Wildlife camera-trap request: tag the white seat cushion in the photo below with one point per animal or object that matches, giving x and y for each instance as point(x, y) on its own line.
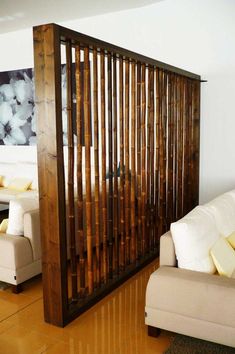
point(193, 237)
point(16, 252)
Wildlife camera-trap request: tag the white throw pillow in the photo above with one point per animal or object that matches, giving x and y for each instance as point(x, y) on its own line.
point(224, 257)
point(223, 210)
point(193, 237)
point(28, 170)
point(17, 208)
point(7, 171)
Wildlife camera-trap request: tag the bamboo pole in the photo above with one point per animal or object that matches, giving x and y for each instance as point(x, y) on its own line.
point(186, 149)
point(96, 158)
point(151, 152)
point(196, 140)
point(71, 210)
point(138, 116)
point(157, 153)
point(171, 103)
point(115, 167)
point(127, 162)
point(164, 126)
point(104, 193)
point(133, 160)
point(190, 147)
point(161, 155)
point(148, 207)
point(110, 156)
point(173, 147)
point(122, 207)
point(178, 172)
point(181, 150)
point(175, 143)
point(87, 126)
point(80, 232)
point(143, 156)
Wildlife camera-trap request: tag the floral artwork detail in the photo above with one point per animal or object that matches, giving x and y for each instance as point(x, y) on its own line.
point(17, 107)
point(17, 119)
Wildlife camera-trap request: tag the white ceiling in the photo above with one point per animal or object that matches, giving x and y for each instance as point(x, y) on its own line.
point(19, 14)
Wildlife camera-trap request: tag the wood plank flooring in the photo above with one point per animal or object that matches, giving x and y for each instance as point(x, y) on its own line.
point(113, 326)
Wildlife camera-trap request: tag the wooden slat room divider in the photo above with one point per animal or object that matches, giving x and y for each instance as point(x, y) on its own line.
point(118, 160)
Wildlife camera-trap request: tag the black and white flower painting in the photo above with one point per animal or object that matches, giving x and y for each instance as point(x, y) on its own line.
point(17, 119)
point(17, 108)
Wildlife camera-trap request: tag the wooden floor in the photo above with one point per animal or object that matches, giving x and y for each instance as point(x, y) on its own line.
point(113, 326)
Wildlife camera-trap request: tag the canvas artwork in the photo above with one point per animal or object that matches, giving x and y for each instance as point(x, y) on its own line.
point(17, 119)
point(17, 108)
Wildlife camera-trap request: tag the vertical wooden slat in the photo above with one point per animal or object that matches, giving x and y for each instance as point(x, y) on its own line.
point(196, 140)
point(87, 127)
point(186, 150)
point(122, 176)
point(164, 127)
point(174, 149)
point(115, 167)
point(180, 94)
point(127, 162)
point(133, 160)
point(47, 69)
point(161, 155)
point(138, 116)
point(103, 137)
point(110, 156)
point(97, 163)
point(148, 165)
point(143, 156)
point(71, 210)
point(190, 147)
point(80, 232)
point(157, 153)
point(169, 165)
point(151, 151)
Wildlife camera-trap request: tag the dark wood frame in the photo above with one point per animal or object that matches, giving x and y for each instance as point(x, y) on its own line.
point(159, 164)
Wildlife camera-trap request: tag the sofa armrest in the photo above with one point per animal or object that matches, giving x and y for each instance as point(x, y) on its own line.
point(197, 295)
point(167, 250)
point(32, 232)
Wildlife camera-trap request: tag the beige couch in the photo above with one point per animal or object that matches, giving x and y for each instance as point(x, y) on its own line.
point(20, 255)
point(191, 302)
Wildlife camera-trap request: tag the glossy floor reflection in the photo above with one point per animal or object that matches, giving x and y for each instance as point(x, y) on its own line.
point(113, 326)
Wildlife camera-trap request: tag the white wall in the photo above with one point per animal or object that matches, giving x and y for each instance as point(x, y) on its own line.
point(197, 35)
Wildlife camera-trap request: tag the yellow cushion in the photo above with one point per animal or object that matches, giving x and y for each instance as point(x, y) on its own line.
point(3, 225)
point(223, 256)
point(20, 184)
point(231, 239)
point(1, 180)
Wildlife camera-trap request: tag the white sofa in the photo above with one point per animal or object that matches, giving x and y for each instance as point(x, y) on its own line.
point(193, 302)
point(20, 255)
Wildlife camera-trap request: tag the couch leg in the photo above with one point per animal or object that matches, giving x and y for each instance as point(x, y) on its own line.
point(16, 289)
point(153, 331)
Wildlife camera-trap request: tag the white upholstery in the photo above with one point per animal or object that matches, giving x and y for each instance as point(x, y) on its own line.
point(223, 210)
point(20, 256)
point(17, 209)
point(16, 252)
point(193, 237)
point(7, 194)
point(191, 302)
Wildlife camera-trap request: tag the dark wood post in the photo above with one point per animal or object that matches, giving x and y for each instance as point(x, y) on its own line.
point(47, 66)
